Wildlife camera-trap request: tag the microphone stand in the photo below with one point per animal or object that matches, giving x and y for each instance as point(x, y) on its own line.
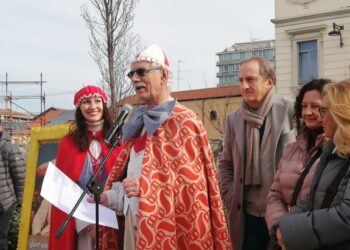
point(95, 187)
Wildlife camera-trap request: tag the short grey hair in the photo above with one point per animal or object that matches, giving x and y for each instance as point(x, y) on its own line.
point(170, 73)
point(266, 68)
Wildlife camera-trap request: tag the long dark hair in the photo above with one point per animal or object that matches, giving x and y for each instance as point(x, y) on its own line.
point(316, 84)
point(78, 130)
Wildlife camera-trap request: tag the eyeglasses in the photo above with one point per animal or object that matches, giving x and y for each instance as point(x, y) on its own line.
point(323, 111)
point(141, 71)
point(313, 107)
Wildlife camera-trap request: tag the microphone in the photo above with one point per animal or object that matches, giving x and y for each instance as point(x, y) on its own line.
point(116, 130)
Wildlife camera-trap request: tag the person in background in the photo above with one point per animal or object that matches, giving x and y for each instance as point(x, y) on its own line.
point(293, 178)
point(170, 197)
point(79, 156)
point(321, 221)
point(255, 136)
point(12, 174)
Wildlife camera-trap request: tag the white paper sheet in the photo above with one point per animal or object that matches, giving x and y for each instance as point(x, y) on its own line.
point(63, 193)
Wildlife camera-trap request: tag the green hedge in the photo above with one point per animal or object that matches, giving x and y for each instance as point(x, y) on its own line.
point(14, 228)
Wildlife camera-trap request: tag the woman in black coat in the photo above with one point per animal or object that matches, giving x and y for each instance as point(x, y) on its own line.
point(322, 221)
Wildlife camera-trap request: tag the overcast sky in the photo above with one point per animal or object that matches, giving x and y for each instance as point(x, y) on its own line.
point(50, 37)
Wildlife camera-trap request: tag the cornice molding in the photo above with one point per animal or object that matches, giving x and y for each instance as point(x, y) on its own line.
point(312, 16)
point(309, 29)
point(304, 3)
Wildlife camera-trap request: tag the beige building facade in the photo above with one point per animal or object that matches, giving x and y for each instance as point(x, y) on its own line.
point(213, 113)
point(305, 48)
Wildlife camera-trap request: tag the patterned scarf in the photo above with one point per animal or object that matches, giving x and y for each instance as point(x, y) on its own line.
point(254, 120)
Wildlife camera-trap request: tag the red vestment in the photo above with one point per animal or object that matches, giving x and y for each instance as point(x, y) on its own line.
point(180, 205)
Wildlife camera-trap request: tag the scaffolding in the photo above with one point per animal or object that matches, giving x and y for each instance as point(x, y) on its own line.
point(8, 98)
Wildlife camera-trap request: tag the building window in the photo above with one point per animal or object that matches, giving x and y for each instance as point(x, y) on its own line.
point(236, 56)
point(307, 61)
point(230, 68)
point(235, 79)
point(242, 56)
point(248, 54)
point(230, 78)
point(270, 52)
point(213, 115)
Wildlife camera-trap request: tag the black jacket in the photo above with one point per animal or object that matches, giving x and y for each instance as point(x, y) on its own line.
point(12, 173)
point(308, 226)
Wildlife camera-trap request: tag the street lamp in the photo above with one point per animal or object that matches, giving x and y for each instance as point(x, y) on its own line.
point(337, 32)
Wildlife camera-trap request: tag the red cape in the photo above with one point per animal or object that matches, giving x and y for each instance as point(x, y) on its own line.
point(180, 205)
point(70, 161)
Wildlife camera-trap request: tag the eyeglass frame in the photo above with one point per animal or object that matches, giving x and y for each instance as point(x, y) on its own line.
point(141, 71)
point(313, 106)
point(322, 111)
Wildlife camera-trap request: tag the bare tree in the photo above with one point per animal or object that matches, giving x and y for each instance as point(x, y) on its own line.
point(112, 42)
point(214, 113)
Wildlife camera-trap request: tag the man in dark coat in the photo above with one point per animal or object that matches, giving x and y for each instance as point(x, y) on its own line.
point(12, 173)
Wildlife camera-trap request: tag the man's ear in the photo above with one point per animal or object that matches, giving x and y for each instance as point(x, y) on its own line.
point(270, 83)
point(164, 76)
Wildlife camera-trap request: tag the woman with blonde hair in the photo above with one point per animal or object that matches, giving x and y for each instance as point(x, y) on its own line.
point(322, 221)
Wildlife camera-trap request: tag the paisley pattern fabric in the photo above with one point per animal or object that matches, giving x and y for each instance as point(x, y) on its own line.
point(180, 205)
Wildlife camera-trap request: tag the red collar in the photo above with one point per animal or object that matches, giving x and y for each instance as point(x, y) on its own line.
point(140, 142)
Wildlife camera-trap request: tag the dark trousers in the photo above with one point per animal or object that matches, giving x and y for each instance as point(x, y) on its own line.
point(5, 221)
point(256, 234)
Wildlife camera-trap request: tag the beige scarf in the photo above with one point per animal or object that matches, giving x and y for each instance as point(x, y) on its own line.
point(254, 120)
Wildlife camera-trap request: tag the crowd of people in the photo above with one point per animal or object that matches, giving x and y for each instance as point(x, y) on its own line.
point(281, 181)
